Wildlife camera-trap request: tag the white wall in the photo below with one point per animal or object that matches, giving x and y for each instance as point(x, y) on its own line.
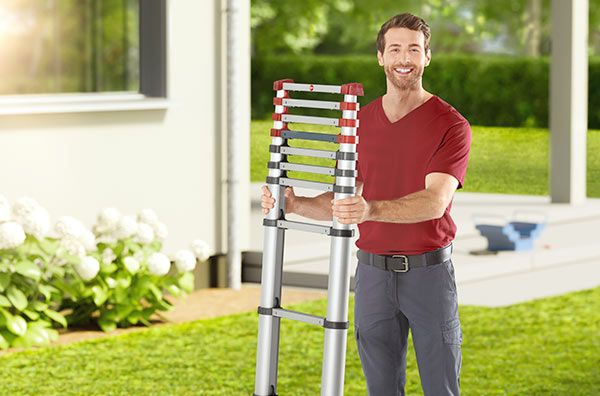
point(168, 160)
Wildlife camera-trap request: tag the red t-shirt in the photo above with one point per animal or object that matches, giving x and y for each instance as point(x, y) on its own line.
point(393, 160)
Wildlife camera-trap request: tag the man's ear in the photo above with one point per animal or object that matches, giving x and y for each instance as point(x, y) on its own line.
point(428, 57)
point(379, 58)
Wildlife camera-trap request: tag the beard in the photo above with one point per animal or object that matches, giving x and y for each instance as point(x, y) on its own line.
point(405, 83)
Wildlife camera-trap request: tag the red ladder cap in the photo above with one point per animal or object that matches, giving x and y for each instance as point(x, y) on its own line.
point(347, 139)
point(349, 106)
point(345, 122)
point(353, 89)
point(278, 85)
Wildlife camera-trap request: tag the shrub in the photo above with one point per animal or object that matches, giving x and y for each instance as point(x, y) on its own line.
point(487, 90)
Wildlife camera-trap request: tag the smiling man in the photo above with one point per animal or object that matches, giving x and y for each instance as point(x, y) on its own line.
point(413, 156)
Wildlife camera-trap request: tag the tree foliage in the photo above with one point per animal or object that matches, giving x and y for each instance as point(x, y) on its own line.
point(520, 27)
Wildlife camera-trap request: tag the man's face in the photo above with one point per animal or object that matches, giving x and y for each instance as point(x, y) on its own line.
point(404, 58)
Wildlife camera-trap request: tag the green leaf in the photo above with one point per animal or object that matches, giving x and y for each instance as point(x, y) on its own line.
point(28, 269)
point(4, 280)
point(100, 295)
point(17, 298)
point(186, 282)
point(57, 317)
point(16, 325)
point(31, 314)
point(174, 290)
point(109, 269)
point(4, 301)
point(3, 342)
point(37, 335)
point(155, 291)
point(38, 305)
point(123, 311)
point(46, 290)
point(134, 317)
point(106, 325)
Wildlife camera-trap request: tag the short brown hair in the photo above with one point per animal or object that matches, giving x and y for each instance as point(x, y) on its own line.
point(408, 21)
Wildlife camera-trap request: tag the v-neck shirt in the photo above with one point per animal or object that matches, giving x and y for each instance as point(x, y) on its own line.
point(393, 160)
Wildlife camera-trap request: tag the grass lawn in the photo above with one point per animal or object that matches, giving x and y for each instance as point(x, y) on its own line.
point(543, 347)
point(503, 160)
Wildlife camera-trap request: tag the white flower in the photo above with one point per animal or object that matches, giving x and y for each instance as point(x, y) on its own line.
point(32, 216)
point(108, 256)
point(161, 231)
point(69, 226)
point(185, 260)
point(88, 239)
point(107, 220)
point(148, 216)
point(111, 282)
point(131, 264)
point(126, 227)
point(4, 209)
point(87, 268)
point(158, 264)
point(11, 235)
point(145, 233)
point(200, 249)
point(139, 256)
point(106, 239)
point(71, 246)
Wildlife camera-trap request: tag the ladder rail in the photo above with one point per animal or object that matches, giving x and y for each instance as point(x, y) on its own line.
point(335, 323)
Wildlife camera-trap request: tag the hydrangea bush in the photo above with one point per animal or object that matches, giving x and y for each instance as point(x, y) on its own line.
point(27, 300)
point(114, 275)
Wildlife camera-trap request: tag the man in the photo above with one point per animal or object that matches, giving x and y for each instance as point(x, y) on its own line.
point(413, 156)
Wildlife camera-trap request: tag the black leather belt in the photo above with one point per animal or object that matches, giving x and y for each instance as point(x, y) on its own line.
point(402, 263)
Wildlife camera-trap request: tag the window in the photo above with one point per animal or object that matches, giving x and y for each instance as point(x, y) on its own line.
point(82, 46)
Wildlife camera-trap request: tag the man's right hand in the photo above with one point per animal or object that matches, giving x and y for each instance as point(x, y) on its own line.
point(268, 202)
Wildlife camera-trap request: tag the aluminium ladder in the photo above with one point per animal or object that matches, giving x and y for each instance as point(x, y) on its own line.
point(270, 311)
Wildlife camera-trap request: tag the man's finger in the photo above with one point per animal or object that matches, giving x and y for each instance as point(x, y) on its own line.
point(347, 201)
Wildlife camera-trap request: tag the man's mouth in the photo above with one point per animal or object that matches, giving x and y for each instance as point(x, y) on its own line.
point(403, 70)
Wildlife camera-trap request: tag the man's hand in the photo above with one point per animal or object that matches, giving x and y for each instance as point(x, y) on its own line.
point(352, 210)
point(268, 202)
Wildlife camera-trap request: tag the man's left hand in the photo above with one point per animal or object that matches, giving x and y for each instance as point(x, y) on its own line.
point(352, 210)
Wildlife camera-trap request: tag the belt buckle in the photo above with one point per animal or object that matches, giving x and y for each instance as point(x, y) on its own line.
point(404, 262)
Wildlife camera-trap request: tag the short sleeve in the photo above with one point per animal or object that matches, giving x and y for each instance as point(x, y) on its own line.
point(452, 155)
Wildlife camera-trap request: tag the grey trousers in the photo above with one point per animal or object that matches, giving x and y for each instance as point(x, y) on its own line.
point(387, 305)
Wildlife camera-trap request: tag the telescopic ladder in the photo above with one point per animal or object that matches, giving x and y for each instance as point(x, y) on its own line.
point(270, 311)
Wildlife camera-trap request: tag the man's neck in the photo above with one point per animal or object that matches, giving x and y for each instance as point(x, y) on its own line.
point(397, 102)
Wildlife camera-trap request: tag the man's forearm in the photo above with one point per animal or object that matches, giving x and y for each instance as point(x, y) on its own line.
point(316, 208)
point(413, 208)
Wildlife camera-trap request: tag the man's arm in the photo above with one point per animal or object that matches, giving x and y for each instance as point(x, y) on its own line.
point(427, 204)
point(316, 208)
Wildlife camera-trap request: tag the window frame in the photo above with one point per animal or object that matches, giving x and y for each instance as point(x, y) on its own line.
point(153, 77)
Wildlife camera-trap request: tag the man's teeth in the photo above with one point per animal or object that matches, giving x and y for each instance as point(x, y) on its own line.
point(403, 70)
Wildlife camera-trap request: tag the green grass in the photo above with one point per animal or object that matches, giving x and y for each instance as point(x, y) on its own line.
point(502, 160)
point(543, 347)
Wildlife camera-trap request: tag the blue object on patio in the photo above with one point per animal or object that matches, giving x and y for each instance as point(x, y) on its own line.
point(514, 235)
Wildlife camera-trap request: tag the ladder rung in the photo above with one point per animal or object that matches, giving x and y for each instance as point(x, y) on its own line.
point(310, 120)
point(322, 137)
point(336, 89)
point(308, 227)
point(299, 316)
point(308, 152)
point(311, 104)
point(285, 181)
point(321, 170)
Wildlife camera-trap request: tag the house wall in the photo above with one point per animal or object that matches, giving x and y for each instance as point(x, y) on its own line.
point(169, 160)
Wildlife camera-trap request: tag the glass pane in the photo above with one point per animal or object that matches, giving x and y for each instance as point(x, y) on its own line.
point(60, 46)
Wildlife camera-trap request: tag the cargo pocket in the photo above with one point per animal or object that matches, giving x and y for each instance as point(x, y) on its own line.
point(452, 332)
